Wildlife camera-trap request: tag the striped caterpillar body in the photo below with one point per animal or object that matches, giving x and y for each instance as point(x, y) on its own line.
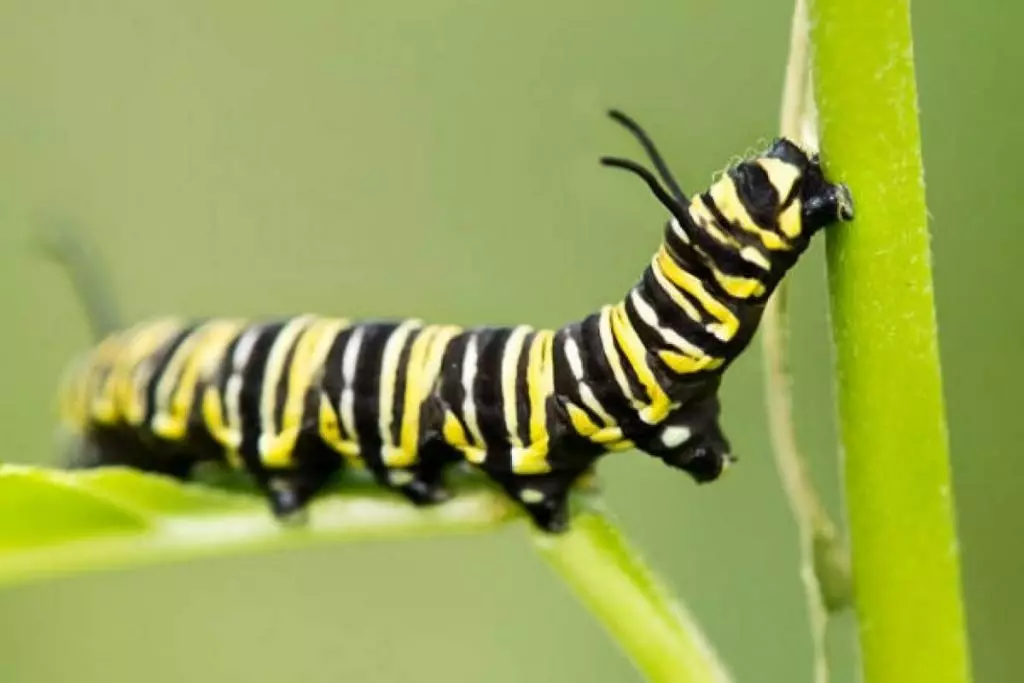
point(293, 401)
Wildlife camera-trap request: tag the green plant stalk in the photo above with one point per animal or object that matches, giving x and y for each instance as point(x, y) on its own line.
point(824, 562)
point(896, 467)
point(609, 577)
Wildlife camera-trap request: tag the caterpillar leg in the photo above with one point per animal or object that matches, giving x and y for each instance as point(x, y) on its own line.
point(545, 497)
point(422, 483)
point(289, 490)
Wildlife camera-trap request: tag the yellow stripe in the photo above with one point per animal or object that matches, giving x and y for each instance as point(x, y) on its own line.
point(307, 362)
point(307, 366)
point(678, 299)
point(540, 385)
point(685, 365)
point(172, 421)
point(609, 437)
point(170, 378)
point(612, 355)
point(415, 393)
point(636, 354)
point(791, 220)
point(691, 284)
point(133, 369)
point(388, 381)
point(781, 174)
point(432, 362)
point(509, 375)
point(283, 343)
point(213, 417)
point(724, 195)
point(100, 389)
point(739, 287)
point(702, 215)
point(330, 432)
point(454, 434)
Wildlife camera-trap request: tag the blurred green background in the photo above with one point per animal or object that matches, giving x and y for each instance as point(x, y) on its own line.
point(439, 159)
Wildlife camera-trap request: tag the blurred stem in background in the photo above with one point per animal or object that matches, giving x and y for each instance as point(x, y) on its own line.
point(824, 564)
point(656, 632)
point(904, 554)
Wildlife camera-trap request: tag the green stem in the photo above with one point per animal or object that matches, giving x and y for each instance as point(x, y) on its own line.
point(896, 467)
point(824, 564)
point(610, 578)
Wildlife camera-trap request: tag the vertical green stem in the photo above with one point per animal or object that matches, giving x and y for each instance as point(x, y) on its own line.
point(610, 579)
point(900, 508)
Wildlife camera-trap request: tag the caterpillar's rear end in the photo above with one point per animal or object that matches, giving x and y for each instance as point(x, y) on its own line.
point(108, 396)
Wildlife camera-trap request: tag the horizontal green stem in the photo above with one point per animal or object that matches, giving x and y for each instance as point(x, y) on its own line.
point(610, 578)
point(896, 472)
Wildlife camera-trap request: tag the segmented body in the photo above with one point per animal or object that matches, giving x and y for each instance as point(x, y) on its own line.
point(292, 401)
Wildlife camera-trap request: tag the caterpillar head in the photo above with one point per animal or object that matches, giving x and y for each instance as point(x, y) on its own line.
point(799, 184)
point(690, 439)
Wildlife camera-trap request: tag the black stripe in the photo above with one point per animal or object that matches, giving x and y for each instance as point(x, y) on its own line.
point(218, 379)
point(724, 258)
point(366, 388)
point(757, 194)
point(253, 375)
point(632, 376)
point(671, 316)
point(522, 393)
point(487, 395)
point(401, 380)
point(215, 379)
point(566, 384)
point(599, 373)
point(652, 342)
point(160, 359)
point(281, 392)
point(449, 381)
point(333, 380)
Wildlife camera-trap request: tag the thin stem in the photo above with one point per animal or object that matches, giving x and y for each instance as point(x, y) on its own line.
point(609, 577)
point(900, 508)
point(824, 567)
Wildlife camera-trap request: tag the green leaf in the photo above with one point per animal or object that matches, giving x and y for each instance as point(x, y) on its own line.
point(54, 522)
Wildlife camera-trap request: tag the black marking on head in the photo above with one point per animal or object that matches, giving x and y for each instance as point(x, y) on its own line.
point(788, 151)
point(759, 196)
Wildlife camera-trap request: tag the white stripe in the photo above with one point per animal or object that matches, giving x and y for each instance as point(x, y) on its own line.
point(346, 404)
point(572, 353)
point(677, 229)
point(272, 376)
point(233, 387)
point(469, 406)
point(650, 318)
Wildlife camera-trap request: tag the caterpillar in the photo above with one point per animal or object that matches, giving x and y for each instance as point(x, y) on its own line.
point(293, 401)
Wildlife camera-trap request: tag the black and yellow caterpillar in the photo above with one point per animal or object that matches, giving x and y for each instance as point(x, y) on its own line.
point(292, 401)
